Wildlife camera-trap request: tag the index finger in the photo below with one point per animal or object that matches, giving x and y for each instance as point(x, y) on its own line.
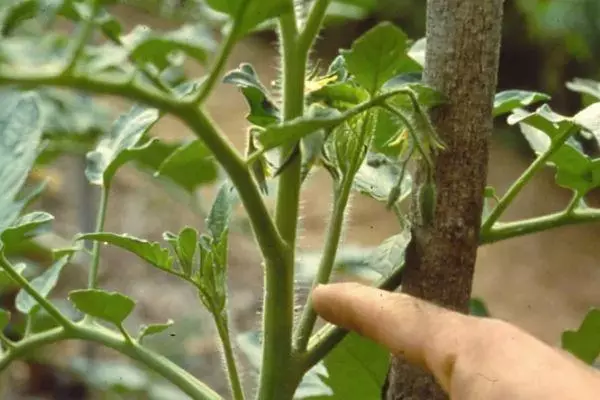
point(425, 334)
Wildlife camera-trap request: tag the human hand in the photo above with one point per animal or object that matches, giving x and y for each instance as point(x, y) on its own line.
point(471, 358)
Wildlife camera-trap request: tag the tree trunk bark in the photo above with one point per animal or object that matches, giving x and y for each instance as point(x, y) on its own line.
point(463, 46)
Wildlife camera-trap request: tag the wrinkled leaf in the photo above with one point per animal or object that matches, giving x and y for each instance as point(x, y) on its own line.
point(376, 180)
point(26, 227)
point(124, 135)
point(151, 252)
point(109, 306)
point(389, 256)
point(43, 284)
point(378, 55)
point(506, 101)
point(21, 122)
point(586, 86)
point(589, 120)
point(584, 343)
point(263, 110)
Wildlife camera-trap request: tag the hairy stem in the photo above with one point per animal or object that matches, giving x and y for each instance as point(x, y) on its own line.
point(26, 286)
point(100, 219)
point(219, 64)
point(508, 230)
point(334, 232)
point(520, 183)
point(232, 371)
point(159, 364)
point(86, 31)
point(278, 318)
point(312, 26)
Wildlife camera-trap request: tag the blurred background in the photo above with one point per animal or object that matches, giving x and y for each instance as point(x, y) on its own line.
point(544, 283)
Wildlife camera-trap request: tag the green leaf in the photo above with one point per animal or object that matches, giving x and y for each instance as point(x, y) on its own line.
point(585, 86)
point(190, 165)
point(21, 122)
point(4, 318)
point(589, 120)
point(248, 14)
point(153, 329)
point(26, 227)
point(478, 308)
point(184, 245)
point(506, 101)
point(263, 110)
point(6, 280)
point(221, 210)
point(123, 136)
point(311, 384)
point(151, 252)
point(43, 284)
point(584, 343)
point(389, 256)
point(339, 95)
point(13, 15)
point(357, 369)
point(317, 118)
point(379, 55)
point(417, 51)
point(376, 177)
point(574, 170)
point(146, 46)
point(109, 306)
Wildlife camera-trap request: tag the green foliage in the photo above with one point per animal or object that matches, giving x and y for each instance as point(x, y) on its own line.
point(584, 343)
point(365, 120)
point(379, 55)
point(43, 284)
point(356, 369)
point(119, 146)
point(108, 306)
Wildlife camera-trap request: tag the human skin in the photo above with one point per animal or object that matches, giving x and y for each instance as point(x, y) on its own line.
point(472, 358)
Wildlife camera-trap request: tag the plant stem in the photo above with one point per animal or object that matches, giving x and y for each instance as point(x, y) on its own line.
point(267, 236)
point(26, 286)
point(86, 31)
point(518, 185)
point(278, 318)
point(312, 26)
point(100, 219)
point(234, 377)
point(507, 230)
point(221, 60)
point(163, 366)
point(334, 232)
point(329, 336)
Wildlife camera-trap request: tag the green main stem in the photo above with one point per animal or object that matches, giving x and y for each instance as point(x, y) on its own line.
point(278, 319)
